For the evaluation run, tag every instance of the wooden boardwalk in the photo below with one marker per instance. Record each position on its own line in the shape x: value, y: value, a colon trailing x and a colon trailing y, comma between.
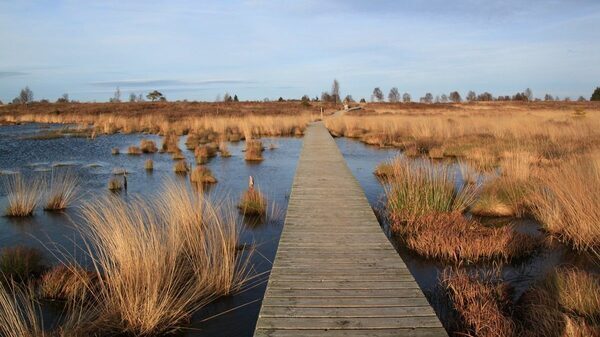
x: 335, y: 272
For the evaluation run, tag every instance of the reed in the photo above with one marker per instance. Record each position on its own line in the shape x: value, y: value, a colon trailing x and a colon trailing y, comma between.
x: 170, y: 143
x: 202, y: 175
x: 181, y: 167
x: 63, y: 190
x: 419, y: 188
x: 566, y: 200
x: 253, y: 202
x: 148, y: 146
x: 134, y: 150
x: 452, y: 238
x: 19, y: 312
x: 161, y: 260
x: 20, y: 263
x: 254, y: 149
x: 115, y: 184
x: 149, y: 165
x: 67, y: 283
x: 224, y: 150
x: 23, y: 195
x: 503, y: 196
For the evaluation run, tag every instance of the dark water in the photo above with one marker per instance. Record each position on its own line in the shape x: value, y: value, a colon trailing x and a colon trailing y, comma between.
x: 93, y: 162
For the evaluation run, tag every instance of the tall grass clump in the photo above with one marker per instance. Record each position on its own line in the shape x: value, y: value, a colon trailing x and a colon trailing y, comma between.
x: 148, y: 146
x: 254, y: 149
x: 19, y: 312
x: 181, y: 167
x: 67, y: 283
x: 419, y: 188
x: 161, y: 260
x: 202, y: 175
x: 170, y: 143
x: 23, y: 195
x: 149, y: 165
x: 253, y: 202
x: 566, y: 201
x: 20, y: 263
x: 62, y: 190
x: 115, y: 184
x: 134, y: 150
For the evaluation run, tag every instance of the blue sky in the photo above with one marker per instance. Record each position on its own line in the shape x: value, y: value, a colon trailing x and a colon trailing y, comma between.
x: 263, y: 48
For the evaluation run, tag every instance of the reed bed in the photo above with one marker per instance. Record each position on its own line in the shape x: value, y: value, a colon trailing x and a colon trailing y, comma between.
x: 161, y: 260
x: 62, y: 191
x: 19, y: 312
x: 253, y: 202
x: 254, y: 149
x: 419, y: 188
x: 566, y: 201
x: 23, y: 195
x: 202, y: 175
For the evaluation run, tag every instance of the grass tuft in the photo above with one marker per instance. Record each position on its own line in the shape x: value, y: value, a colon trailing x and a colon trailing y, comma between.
x: 23, y: 195
x: 149, y: 165
x: 63, y: 190
x: 134, y: 150
x: 253, y: 202
x: 148, y: 146
x: 202, y: 175
x: 181, y: 167
x: 254, y: 149
x: 67, y: 283
x: 115, y: 184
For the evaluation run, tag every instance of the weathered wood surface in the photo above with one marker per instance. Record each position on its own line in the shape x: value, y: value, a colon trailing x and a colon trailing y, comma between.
x: 335, y: 272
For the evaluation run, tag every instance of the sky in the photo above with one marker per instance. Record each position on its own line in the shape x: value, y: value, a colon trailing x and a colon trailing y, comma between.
x: 259, y: 49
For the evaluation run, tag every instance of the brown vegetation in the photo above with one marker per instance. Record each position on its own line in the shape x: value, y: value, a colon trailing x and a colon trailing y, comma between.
x: 62, y: 191
x: 148, y: 146
x: 67, y: 283
x: 254, y: 149
x: 23, y: 194
x: 181, y: 167
x: 202, y: 175
x: 149, y: 165
x: 19, y: 263
x: 253, y: 202
x: 115, y: 184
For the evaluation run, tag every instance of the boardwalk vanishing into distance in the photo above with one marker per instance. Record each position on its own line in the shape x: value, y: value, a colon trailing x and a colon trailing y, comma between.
x: 335, y: 272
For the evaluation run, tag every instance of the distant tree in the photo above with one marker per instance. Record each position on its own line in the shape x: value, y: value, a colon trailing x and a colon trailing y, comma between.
x: 325, y: 97
x: 581, y: 99
x: 406, y: 97
x: 235, y: 98
x: 377, y: 95
x: 140, y: 98
x: 394, y: 95
x: 1, y: 102
x: 155, y: 95
x: 363, y: 100
x: 25, y: 96
x: 305, y: 98
x: 63, y: 99
x: 471, y: 96
x: 16, y: 100
x: 484, y: 97
x: 132, y: 97
x: 116, y: 97
x: 266, y: 99
x: 567, y: 99
x: 455, y: 97
x: 428, y: 98
x: 280, y: 99
x: 528, y: 94
x: 348, y: 99
x: 548, y: 98
x: 218, y: 98
x: 595, y: 95
x: 227, y: 97
x: 335, y: 92
x: 44, y: 100
x: 444, y: 98
x: 162, y: 99
x: 316, y: 99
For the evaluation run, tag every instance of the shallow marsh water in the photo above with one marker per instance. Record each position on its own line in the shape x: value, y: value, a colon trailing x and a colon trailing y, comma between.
x: 93, y: 162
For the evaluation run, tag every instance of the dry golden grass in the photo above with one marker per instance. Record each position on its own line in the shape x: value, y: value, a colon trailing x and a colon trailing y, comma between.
x: 148, y: 146
x: 181, y: 167
x: 161, y: 260
x: 134, y: 150
x: 19, y: 312
x: 115, y: 184
x: 149, y: 165
x: 564, y: 304
x: 224, y: 150
x: 63, y: 190
x: 419, y: 188
x: 202, y: 175
x: 254, y: 149
x: 67, y: 283
x: 483, y: 305
x: 503, y: 196
x: 23, y: 194
x: 170, y: 143
x: 253, y: 202
x: 115, y: 151
x: 567, y: 202
x: 452, y: 238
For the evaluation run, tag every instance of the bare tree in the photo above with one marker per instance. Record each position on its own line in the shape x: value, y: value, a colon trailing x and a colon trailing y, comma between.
x: 528, y: 94
x: 140, y: 98
x: 63, y: 99
x: 428, y: 98
x: 132, y: 97
x: 581, y: 99
x: 348, y: 99
x: 377, y: 95
x: 227, y: 97
x: 455, y: 97
x: 444, y: 98
x: 394, y: 95
x: 548, y: 98
x: 116, y: 97
x: 486, y: 96
x: 471, y: 96
x: 26, y: 95
x: 335, y: 92
x: 325, y: 97
x: 406, y: 97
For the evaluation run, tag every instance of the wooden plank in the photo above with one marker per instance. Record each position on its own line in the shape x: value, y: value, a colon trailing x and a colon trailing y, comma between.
x: 335, y: 272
